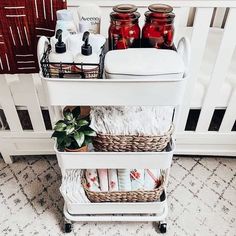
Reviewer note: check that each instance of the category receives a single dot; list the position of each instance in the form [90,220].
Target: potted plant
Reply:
[73,133]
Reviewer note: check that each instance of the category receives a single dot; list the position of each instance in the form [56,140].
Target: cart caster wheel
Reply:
[163,228]
[68,227]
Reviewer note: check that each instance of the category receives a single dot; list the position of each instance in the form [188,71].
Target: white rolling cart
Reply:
[104,92]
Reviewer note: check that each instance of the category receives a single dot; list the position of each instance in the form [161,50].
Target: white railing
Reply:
[211,29]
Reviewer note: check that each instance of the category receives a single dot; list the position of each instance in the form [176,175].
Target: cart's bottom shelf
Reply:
[152,211]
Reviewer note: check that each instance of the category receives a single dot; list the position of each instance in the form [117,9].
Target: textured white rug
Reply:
[202,200]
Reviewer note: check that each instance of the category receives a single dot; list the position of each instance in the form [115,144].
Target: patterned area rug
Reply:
[202,200]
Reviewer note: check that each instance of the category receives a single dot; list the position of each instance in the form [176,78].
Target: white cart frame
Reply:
[161,92]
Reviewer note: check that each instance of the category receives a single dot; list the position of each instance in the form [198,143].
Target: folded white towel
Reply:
[124,179]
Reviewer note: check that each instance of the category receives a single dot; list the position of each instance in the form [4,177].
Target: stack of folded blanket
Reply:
[122,179]
[133,120]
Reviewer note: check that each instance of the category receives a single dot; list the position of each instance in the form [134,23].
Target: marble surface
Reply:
[202,200]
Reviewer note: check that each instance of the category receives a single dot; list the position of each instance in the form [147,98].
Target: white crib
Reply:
[210,26]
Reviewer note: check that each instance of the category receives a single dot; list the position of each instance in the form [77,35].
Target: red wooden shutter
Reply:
[5,56]
[22,23]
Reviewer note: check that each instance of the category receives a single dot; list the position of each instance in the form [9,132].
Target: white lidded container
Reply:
[144,63]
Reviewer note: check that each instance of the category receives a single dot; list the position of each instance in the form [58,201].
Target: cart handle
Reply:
[41,48]
[183,49]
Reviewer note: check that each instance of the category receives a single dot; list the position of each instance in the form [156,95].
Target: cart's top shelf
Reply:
[166,90]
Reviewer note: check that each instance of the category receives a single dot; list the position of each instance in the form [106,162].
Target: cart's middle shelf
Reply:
[115,160]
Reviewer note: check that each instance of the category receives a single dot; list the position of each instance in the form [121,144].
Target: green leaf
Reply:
[87,140]
[71,121]
[76,112]
[60,126]
[79,138]
[90,133]
[68,142]
[82,123]
[69,129]
[56,134]
[60,148]
[60,141]
[63,142]
[68,116]
[60,121]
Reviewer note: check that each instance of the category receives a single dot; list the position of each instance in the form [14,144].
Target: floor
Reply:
[202,200]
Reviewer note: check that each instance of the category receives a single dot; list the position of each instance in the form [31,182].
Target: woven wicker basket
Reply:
[125,196]
[131,143]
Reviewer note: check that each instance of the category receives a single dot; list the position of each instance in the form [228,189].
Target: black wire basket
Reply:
[72,70]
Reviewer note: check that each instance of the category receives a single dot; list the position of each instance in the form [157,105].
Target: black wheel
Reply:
[68,227]
[163,228]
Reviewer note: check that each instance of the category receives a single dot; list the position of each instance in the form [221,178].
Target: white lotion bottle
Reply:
[60,56]
[87,57]
[66,19]
[65,22]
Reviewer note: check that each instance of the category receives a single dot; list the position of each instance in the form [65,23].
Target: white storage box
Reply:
[144,63]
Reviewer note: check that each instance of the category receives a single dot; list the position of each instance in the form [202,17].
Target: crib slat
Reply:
[105,20]
[142,11]
[198,43]
[221,66]
[181,19]
[8,105]
[32,102]
[55,113]
[219,17]
[230,115]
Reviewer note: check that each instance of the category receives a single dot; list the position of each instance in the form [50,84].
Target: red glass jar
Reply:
[124,31]
[158,30]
